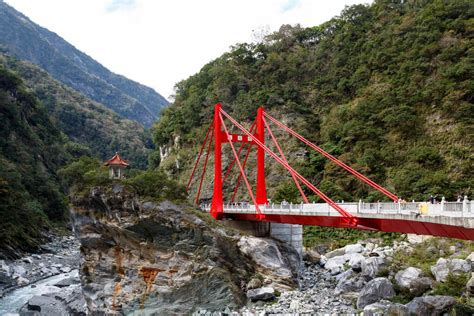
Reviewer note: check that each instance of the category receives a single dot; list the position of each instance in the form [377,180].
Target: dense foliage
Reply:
[27,40]
[96,130]
[31,149]
[385,87]
[86,172]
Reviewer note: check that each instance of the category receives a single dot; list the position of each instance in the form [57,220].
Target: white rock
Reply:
[21,281]
[19,270]
[371,266]
[357,248]
[336,264]
[445,266]
[355,261]
[294,305]
[405,277]
[36,256]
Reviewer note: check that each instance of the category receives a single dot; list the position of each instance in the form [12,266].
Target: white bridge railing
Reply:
[448,209]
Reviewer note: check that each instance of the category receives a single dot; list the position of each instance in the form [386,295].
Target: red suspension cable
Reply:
[305,199]
[334,159]
[229,169]
[260,215]
[349,218]
[240,176]
[204,169]
[199,157]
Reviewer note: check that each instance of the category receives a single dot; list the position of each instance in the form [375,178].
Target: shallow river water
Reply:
[13,301]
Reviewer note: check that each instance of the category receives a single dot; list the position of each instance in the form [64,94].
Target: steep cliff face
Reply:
[168,259]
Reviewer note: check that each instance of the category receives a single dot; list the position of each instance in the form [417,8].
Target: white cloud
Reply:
[159,43]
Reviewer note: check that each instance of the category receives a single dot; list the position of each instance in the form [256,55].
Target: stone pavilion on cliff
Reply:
[116,167]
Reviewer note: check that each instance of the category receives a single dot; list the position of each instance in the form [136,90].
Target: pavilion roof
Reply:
[116,161]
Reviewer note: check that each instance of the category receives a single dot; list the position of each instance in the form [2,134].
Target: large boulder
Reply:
[405,277]
[443,267]
[430,305]
[43,305]
[261,294]
[372,266]
[272,259]
[374,291]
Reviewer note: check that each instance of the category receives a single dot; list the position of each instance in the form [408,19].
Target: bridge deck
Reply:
[448,219]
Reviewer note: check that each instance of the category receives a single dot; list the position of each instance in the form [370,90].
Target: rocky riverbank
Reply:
[46,282]
[361,278]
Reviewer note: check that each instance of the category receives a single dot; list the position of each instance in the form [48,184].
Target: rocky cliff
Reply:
[162,258]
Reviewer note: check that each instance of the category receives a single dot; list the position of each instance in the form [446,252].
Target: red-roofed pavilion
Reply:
[116,166]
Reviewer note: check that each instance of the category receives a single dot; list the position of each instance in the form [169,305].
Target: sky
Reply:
[161,42]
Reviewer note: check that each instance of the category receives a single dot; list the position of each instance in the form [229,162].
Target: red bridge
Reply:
[448,219]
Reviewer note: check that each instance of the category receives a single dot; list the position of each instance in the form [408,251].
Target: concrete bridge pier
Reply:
[290,233]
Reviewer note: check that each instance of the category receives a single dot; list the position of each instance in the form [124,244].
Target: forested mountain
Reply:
[31,150]
[386,87]
[99,130]
[26,40]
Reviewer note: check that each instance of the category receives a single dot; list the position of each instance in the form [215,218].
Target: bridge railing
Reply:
[448,209]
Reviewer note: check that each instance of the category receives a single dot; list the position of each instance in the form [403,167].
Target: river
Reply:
[13,301]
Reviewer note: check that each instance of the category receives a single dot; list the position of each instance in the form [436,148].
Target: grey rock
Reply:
[254,284]
[405,277]
[36,256]
[470,284]
[27,260]
[374,291]
[5,273]
[443,267]
[68,282]
[397,309]
[420,286]
[336,253]
[349,281]
[430,305]
[311,256]
[372,266]
[261,294]
[44,305]
[378,308]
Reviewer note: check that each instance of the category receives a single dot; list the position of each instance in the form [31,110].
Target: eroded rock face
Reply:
[160,258]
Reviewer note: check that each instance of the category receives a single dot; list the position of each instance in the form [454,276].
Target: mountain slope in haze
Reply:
[385,87]
[26,40]
[100,130]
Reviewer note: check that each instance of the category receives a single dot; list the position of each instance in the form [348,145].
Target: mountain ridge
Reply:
[24,39]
